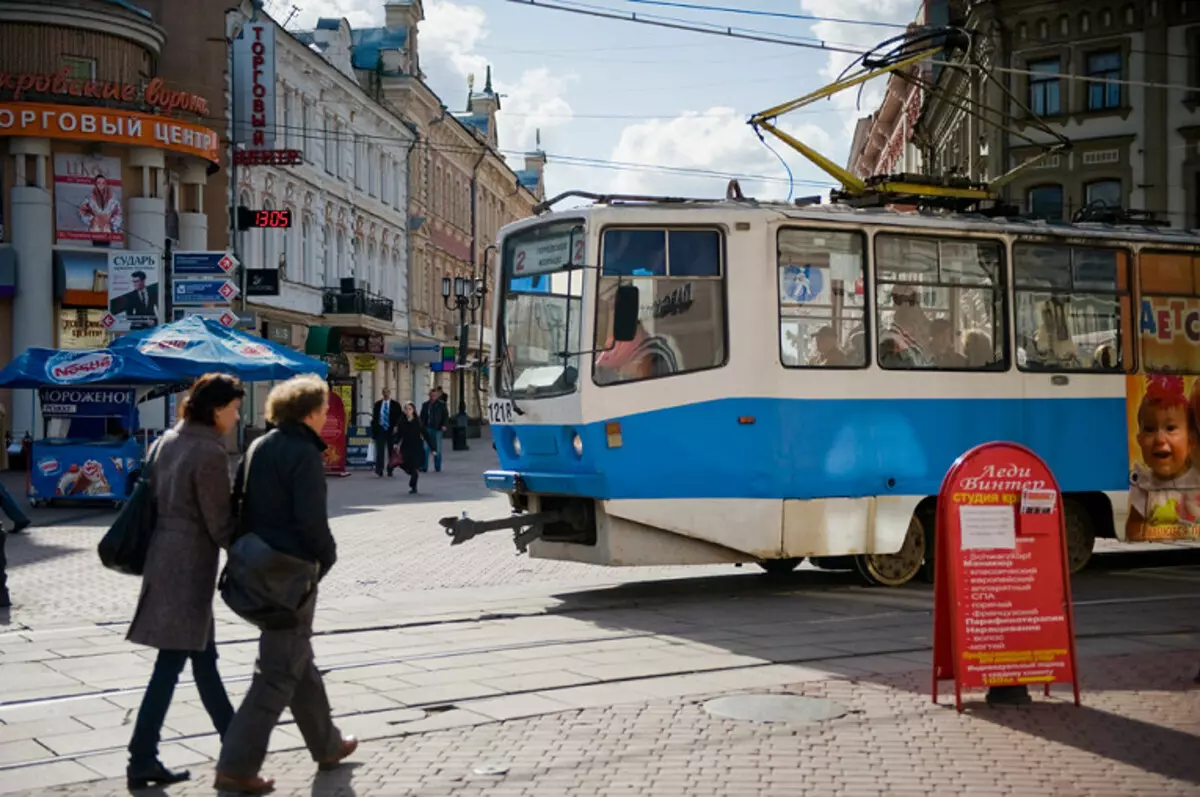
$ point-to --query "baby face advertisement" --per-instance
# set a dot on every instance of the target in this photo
(1164, 453)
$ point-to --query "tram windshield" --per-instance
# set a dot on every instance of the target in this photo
(542, 310)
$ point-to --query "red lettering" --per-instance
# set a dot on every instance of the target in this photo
(58, 84)
(24, 83)
(1164, 325)
(42, 84)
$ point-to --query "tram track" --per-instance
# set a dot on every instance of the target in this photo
(434, 707)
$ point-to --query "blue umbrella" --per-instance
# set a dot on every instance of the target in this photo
(44, 367)
(196, 346)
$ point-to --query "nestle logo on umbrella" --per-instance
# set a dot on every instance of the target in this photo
(253, 350)
(73, 367)
(48, 467)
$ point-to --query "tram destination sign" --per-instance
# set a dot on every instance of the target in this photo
(1002, 601)
(543, 255)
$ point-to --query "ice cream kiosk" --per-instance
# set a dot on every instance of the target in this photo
(89, 445)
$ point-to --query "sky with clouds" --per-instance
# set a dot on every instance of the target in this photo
(632, 108)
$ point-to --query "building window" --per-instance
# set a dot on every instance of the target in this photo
(1169, 281)
(940, 303)
(822, 302)
(1072, 309)
(1044, 87)
(1102, 69)
(306, 252)
(1105, 193)
(681, 320)
(330, 146)
(79, 68)
(1046, 202)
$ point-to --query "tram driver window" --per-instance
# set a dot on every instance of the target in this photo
(821, 299)
(940, 303)
(679, 274)
(1169, 317)
(1072, 308)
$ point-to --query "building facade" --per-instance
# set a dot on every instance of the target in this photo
(1119, 79)
(461, 191)
(104, 161)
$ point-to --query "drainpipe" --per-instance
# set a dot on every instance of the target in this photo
(408, 256)
(474, 262)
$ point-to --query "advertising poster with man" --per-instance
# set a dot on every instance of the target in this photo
(133, 295)
(87, 200)
(1163, 408)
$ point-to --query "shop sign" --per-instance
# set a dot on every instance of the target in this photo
(254, 85)
(86, 402)
(359, 447)
(156, 94)
(364, 344)
(279, 333)
(81, 329)
(1002, 598)
(362, 362)
(112, 126)
(268, 157)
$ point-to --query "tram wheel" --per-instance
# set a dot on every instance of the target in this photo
(895, 569)
(1081, 534)
(780, 567)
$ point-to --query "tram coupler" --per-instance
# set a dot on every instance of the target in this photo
(461, 529)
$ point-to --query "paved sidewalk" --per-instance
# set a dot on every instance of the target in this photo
(1136, 734)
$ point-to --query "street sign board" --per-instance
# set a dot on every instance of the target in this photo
(203, 291)
(1002, 598)
(222, 315)
(203, 264)
(262, 282)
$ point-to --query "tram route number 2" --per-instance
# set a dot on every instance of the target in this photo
(500, 411)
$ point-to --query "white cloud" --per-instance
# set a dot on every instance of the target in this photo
(857, 37)
(450, 39)
(715, 140)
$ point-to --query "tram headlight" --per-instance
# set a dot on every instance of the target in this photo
(516, 445)
(577, 444)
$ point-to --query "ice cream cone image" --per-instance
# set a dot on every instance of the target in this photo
(92, 473)
(66, 484)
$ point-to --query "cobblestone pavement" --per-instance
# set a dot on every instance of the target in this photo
(1136, 734)
(388, 542)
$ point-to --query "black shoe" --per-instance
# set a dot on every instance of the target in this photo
(412, 490)
(21, 525)
(155, 775)
(390, 474)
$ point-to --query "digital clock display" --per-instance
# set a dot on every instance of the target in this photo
(274, 219)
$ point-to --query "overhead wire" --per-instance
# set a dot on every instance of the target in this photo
(774, 14)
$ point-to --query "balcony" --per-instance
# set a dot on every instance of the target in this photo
(356, 309)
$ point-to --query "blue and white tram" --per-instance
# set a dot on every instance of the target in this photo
(797, 380)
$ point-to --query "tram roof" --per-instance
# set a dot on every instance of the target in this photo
(890, 217)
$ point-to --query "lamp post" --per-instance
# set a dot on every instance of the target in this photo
(462, 295)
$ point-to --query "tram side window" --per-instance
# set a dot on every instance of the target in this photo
(940, 303)
(1072, 308)
(822, 304)
(1169, 317)
(679, 274)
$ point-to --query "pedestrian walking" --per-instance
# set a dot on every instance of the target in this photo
(384, 420)
(193, 521)
(412, 437)
(284, 505)
(5, 599)
(434, 417)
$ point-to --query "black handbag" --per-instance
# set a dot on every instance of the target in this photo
(266, 588)
(127, 541)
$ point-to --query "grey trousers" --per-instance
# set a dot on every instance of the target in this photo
(285, 676)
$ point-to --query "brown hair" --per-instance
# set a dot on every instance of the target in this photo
(297, 398)
(210, 393)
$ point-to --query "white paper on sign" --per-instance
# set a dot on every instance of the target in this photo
(990, 527)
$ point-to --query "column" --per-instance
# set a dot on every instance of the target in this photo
(146, 231)
(193, 221)
(32, 223)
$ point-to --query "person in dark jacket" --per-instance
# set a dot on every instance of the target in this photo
(384, 419)
(194, 521)
(284, 503)
(412, 437)
(434, 417)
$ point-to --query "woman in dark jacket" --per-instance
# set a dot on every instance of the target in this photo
(284, 505)
(411, 437)
(174, 613)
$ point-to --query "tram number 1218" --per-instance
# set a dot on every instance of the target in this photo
(500, 411)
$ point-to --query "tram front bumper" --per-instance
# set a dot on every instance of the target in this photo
(589, 485)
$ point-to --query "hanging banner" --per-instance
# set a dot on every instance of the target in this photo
(1002, 597)
(87, 199)
(254, 85)
(133, 279)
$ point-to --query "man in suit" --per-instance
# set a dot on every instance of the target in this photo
(434, 417)
(384, 420)
(141, 303)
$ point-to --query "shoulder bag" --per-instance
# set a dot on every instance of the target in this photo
(124, 546)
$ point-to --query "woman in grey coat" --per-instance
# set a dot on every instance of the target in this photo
(194, 521)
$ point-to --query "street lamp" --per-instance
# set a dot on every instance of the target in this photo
(462, 295)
